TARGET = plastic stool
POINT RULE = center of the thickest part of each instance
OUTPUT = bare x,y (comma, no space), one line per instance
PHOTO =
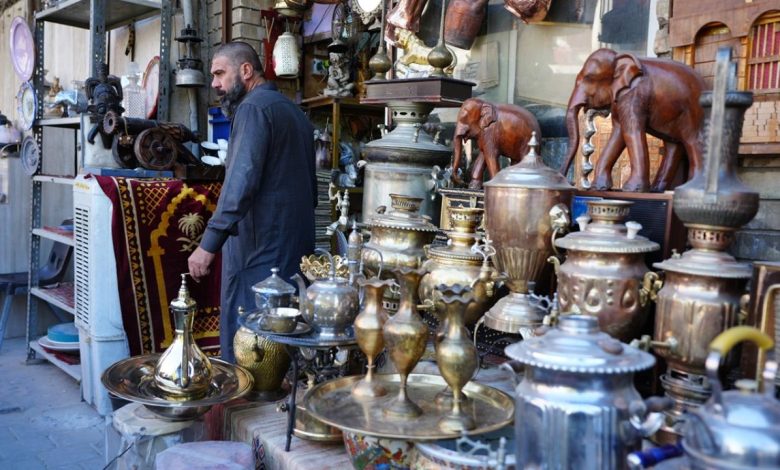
142,436
206,455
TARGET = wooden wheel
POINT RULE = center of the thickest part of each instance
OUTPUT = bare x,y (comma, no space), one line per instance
155,149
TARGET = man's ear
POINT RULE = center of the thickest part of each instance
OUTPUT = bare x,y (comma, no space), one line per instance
246,71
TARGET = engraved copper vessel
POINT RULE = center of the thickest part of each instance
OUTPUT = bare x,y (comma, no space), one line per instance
703,287
183,371
604,269
265,360
458,263
463,21
521,203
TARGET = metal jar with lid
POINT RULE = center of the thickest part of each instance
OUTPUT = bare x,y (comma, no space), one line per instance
399,236
273,292
738,429
461,262
526,205
577,407
604,269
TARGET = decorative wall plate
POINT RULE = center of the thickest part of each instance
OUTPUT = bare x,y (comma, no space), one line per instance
26,105
151,86
22,48
30,155
369,10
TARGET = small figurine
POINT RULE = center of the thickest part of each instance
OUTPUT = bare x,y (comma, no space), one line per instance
338,76
414,62
52,108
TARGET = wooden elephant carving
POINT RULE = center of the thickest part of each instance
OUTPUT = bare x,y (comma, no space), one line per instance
655,96
499,129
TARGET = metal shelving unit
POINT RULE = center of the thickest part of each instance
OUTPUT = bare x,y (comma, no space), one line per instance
98,16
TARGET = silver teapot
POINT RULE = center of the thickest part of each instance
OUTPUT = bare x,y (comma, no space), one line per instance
576,407
273,292
329,305
738,429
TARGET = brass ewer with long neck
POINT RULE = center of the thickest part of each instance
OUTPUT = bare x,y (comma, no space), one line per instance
368,331
456,355
183,371
405,335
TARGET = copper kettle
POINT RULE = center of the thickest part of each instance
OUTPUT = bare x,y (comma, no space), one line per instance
738,429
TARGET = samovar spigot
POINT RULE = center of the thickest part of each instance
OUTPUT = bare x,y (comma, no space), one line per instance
645,343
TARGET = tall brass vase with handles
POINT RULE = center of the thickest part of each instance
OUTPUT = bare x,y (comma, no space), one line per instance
405,336
368,331
456,355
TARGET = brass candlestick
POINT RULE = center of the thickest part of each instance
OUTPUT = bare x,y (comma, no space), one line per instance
456,355
368,331
405,335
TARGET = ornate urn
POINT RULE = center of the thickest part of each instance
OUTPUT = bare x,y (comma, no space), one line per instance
400,236
183,371
525,206
703,288
604,269
460,262
265,360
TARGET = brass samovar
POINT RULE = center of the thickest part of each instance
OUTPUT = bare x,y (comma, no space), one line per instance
526,205
703,287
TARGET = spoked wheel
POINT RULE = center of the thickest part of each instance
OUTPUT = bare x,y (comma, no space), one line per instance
155,149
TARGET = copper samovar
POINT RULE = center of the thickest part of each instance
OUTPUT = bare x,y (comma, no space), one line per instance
605,268
526,205
703,287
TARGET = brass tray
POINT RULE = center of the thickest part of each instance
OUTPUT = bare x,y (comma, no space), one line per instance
133,379
332,403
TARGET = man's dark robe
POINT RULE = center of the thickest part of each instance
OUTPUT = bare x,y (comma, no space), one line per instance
265,214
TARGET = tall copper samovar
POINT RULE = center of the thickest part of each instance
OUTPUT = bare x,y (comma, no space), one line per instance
702,288
525,206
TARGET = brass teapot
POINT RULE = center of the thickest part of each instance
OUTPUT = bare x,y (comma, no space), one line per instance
183,371
329,305
737,429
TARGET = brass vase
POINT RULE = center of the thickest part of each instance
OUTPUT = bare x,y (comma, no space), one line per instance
604,269
456,355
368,331
405,336
183,371
265,360
526,205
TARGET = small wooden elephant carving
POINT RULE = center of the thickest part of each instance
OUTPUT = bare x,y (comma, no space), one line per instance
499,129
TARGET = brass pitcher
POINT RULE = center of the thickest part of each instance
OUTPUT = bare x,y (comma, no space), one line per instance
604,269
405,335
456,355
368,331
183,371
266,360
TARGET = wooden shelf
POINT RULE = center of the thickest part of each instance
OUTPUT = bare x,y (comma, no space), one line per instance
59,179
60,296
52,235
351,103
118,12
73,370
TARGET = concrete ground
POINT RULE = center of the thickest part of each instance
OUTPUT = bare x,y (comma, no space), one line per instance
43,422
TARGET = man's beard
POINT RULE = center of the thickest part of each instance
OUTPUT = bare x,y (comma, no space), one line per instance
230,99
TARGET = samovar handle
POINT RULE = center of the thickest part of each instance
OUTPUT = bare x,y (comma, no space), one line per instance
651,285
770,299
721,346
560,222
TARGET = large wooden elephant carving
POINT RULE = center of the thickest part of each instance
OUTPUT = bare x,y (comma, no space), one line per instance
499,129
655,96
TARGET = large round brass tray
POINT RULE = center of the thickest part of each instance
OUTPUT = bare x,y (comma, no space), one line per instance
332,403
133,379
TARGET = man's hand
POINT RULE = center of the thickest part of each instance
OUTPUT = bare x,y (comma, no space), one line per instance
199,263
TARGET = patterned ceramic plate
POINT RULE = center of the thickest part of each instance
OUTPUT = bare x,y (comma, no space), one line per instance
26,105
22,49
30,155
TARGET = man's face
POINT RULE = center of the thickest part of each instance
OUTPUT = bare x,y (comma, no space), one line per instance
227,83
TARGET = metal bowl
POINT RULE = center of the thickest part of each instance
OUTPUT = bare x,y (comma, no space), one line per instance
132,379
318,267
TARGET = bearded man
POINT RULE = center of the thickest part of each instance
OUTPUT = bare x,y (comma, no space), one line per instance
265,214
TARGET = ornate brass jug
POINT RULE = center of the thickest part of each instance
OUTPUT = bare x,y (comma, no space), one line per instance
604,269
183,371
368,330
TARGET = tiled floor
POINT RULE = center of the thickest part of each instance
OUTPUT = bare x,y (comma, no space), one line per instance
43,422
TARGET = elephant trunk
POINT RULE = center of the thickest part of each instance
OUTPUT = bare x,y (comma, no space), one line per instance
458,140
576,102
